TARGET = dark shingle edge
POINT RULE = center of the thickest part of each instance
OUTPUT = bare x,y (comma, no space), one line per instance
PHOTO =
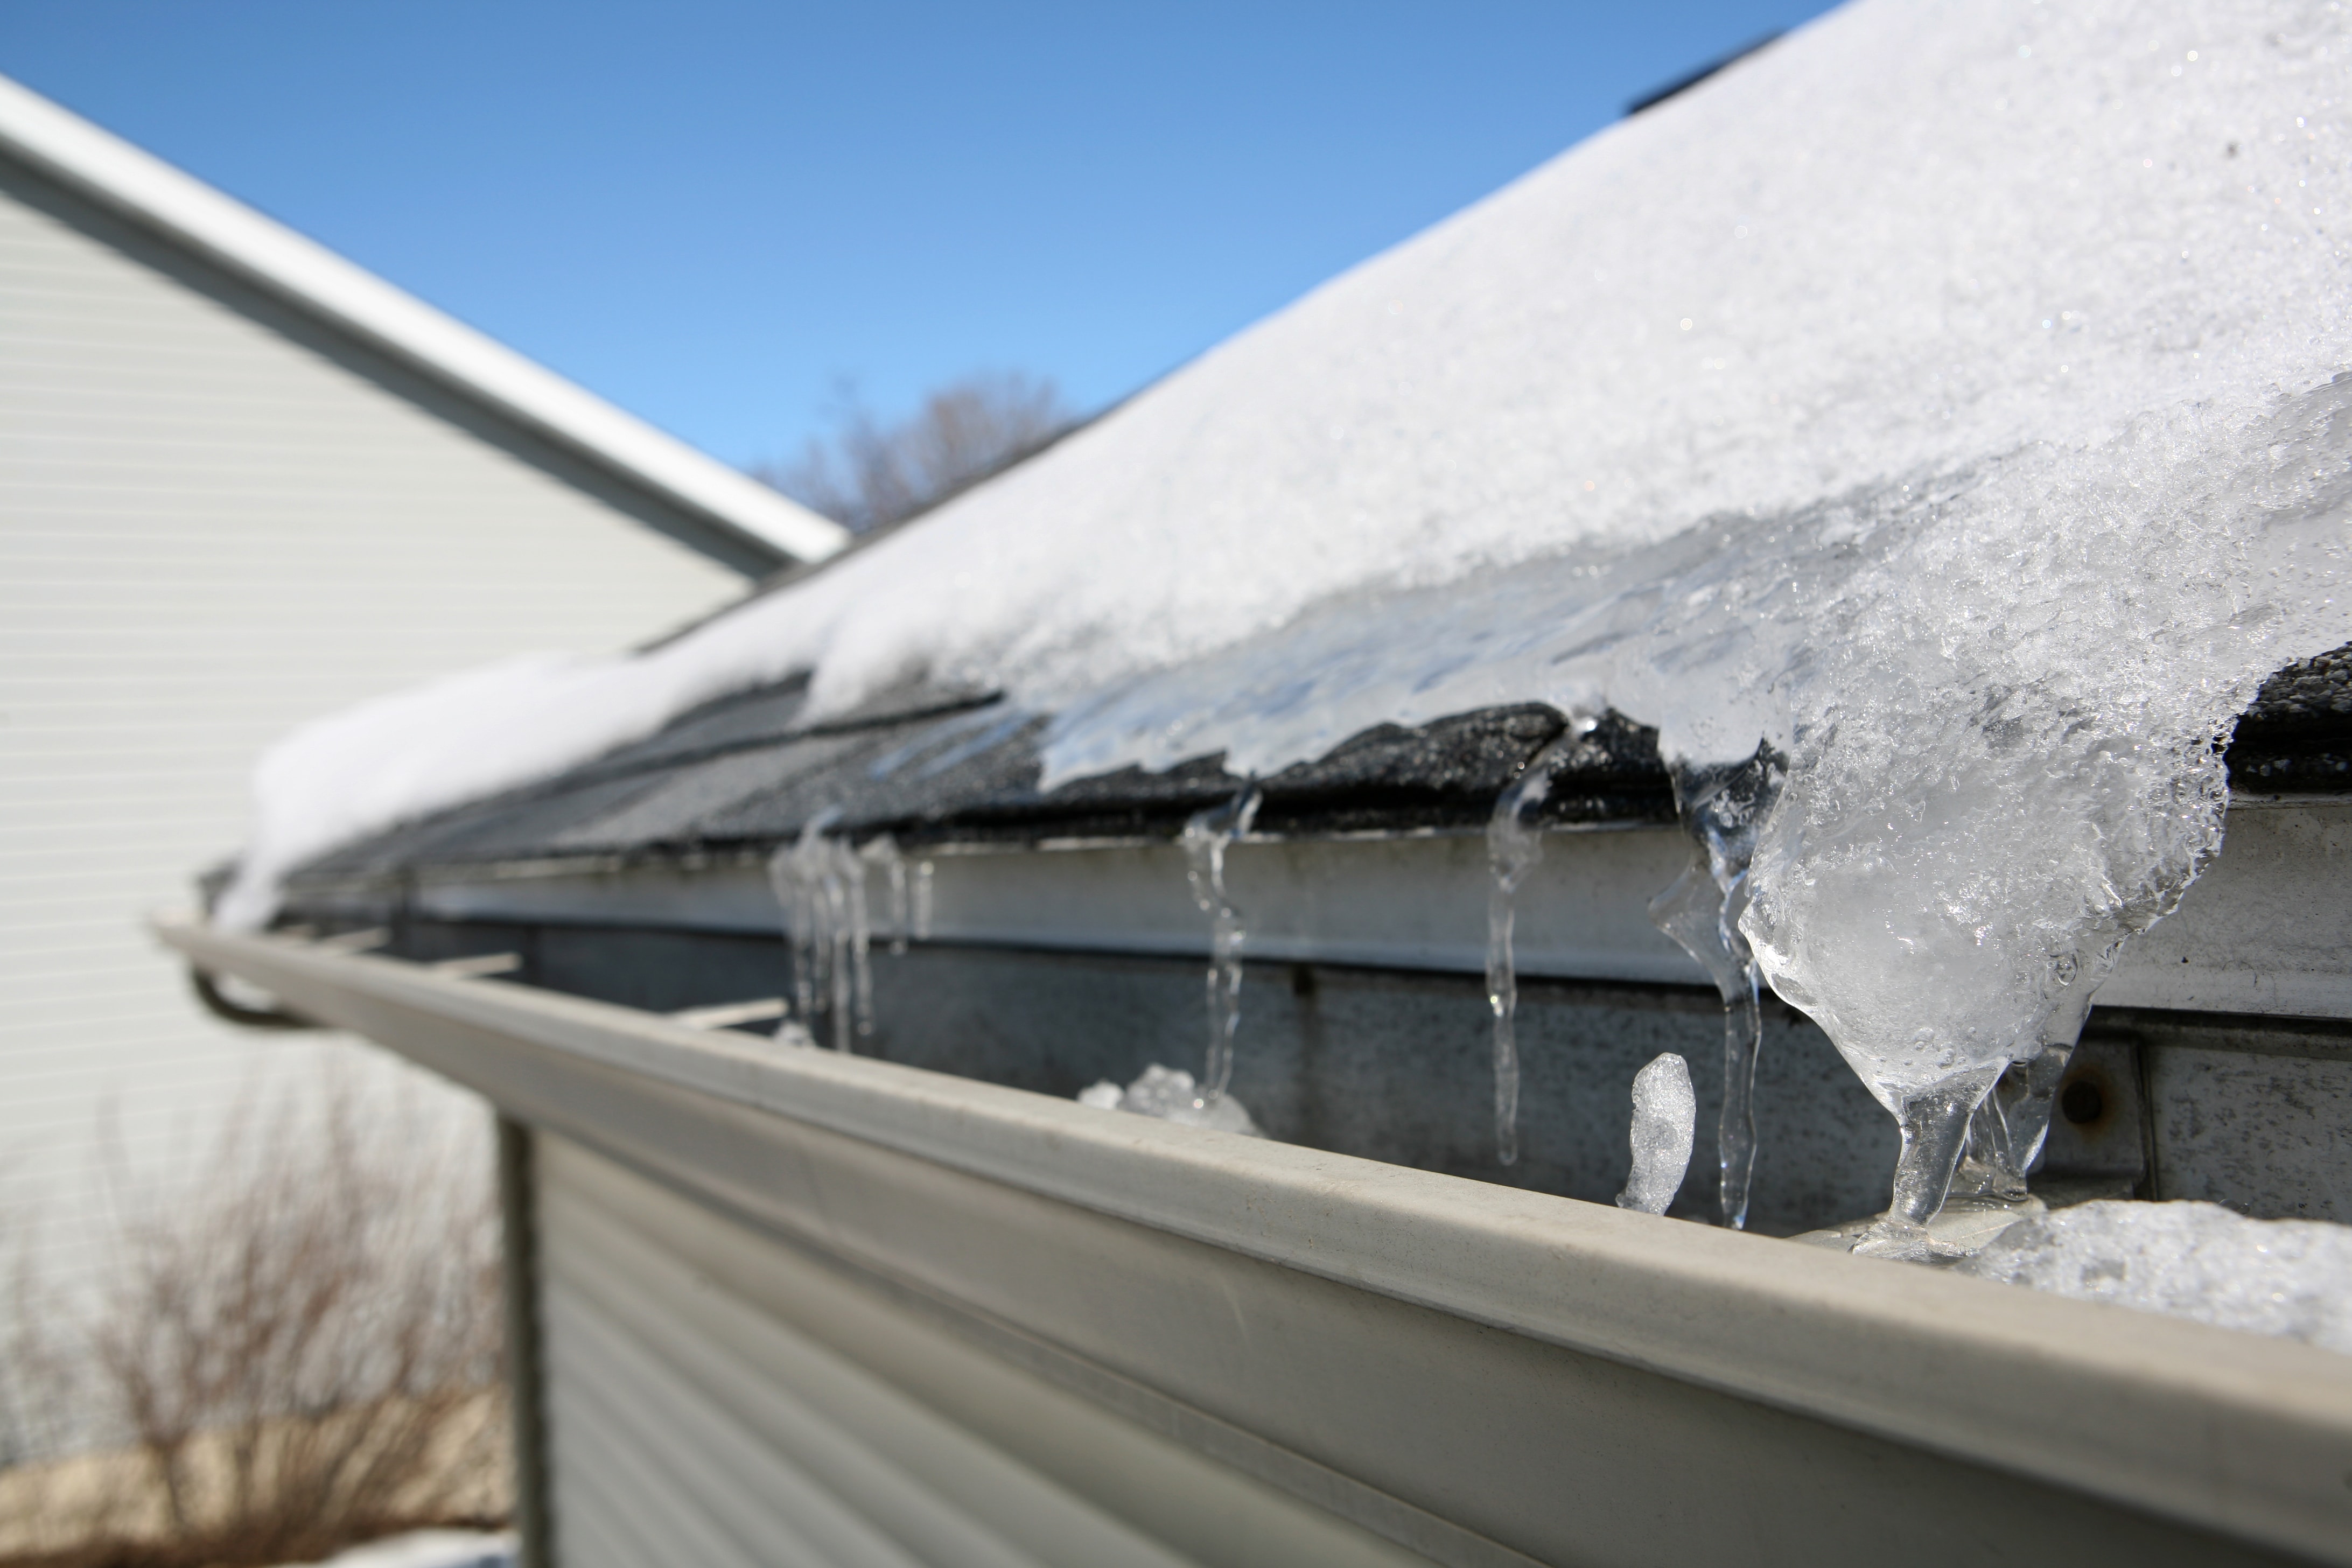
744,774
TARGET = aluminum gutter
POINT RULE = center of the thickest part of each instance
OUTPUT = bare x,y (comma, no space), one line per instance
2246,1436
184,210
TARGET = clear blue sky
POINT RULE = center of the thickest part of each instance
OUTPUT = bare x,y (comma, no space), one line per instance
710,213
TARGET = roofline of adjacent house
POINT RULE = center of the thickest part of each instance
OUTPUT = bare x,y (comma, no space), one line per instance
97,164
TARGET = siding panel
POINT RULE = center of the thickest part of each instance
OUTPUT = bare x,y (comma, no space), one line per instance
211,532
667,1384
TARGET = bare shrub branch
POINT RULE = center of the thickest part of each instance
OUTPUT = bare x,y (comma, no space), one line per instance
305,1355
870,474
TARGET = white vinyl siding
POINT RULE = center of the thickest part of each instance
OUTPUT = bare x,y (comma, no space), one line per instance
210,533
717,1398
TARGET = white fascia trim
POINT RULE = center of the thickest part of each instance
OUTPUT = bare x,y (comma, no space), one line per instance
2251,1436
68,148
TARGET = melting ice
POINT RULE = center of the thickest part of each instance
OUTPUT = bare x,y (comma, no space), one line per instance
1721,808
1665,1117
1514,847
2001,692
820,881
882,850
2011,1123
1206,837
2291,1278
1171,1094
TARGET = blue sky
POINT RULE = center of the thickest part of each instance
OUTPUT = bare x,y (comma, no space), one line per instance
713,213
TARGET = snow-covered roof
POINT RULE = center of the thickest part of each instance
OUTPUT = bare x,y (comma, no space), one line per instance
1947,396
353,302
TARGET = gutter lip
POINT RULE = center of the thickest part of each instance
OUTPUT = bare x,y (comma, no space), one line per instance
2249,1436
131,183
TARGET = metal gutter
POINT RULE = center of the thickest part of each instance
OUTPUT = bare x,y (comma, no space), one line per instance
2247,1437
192,214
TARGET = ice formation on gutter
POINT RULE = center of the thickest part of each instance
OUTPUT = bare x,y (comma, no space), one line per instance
1943,397
1206,837
882,853
2291,1279
820,882
1722,806
1514,848
2012,1122
919,916
1171,1095
1666,1118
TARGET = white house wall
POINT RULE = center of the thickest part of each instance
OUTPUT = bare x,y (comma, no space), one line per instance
211,531
715,1398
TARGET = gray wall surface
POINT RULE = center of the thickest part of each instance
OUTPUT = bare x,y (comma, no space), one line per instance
211,530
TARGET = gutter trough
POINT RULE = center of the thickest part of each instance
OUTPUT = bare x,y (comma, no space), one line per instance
1476,1373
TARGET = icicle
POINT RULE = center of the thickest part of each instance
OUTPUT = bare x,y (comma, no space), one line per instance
1935,1124
1514,846
1206,837
2028,1115
1665,1117
883,850
861,943
797,874
1979,1133
799,924
1721,807
821,882
1989,1168
835,886
2011,1124
922,916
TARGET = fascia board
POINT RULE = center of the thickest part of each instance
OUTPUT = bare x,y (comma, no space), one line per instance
97,164
2261,931
2247,1435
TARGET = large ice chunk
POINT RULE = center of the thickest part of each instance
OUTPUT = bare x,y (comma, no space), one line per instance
2291,1279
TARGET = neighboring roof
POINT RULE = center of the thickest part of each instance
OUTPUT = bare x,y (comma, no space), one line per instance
193,216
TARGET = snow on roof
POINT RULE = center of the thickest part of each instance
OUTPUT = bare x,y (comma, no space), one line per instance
1943,396
353,301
